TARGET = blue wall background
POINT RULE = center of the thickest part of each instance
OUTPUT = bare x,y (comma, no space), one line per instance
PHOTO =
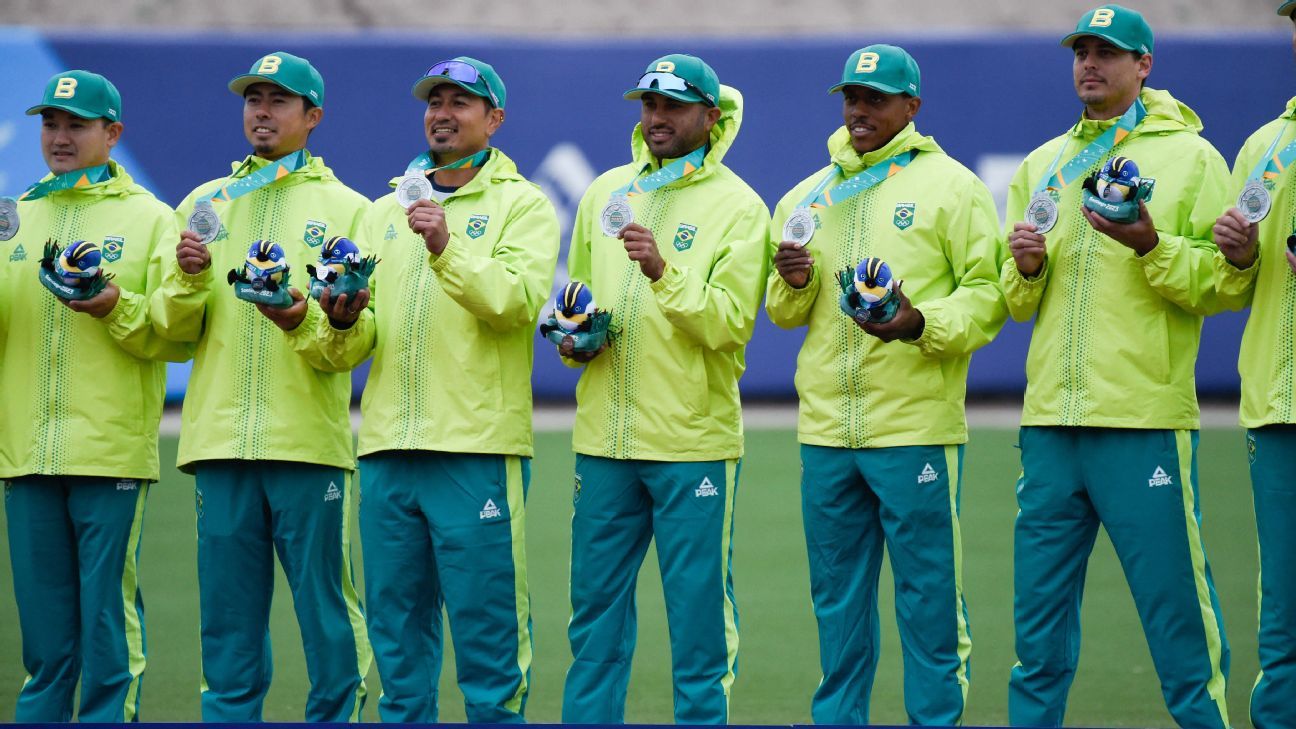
988,100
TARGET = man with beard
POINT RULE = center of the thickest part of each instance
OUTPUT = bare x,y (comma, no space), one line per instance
658,433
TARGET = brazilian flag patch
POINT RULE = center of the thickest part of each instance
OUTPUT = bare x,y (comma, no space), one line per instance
112,248
314,235
684,236
904,215
477,225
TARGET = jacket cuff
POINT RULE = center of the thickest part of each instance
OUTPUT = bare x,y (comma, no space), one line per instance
785,290
934,333
1013,275
114,317
1229,276
449,255
1161,257
1223,263
309,325
671,280
191,282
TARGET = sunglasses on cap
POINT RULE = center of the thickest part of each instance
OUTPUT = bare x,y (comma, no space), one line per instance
455,71
662,81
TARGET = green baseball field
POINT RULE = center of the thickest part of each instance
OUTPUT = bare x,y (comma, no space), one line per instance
778,661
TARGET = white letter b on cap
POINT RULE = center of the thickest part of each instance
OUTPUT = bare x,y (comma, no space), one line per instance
65,88
1102,18
270,65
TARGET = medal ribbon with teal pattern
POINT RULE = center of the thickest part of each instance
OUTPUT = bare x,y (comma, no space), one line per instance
269,174
1271,166
819,197
83,177
1075,168
677,170
424,163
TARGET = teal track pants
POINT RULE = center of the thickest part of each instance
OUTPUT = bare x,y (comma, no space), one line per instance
906,499
1141,486
447,529
1272,452
249,511
619,507
74,546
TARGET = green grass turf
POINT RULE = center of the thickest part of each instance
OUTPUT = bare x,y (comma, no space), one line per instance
1116,685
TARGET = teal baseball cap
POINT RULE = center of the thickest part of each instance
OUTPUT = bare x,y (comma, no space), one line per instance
82,93
681,77
1120,26
1286,8
889,69
291,73
471,75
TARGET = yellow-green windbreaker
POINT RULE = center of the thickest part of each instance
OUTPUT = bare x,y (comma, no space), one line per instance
935,225
1267,361
83,396
667,389
1116,335
453,335
257,393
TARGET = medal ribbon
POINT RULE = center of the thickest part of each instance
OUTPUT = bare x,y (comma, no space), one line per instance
1271,166
423,163
84,177
677,170
1057,179
267,175
878,173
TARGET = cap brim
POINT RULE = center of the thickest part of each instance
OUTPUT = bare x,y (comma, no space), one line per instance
686,96
875,86
1286,8
1071,39
74,110
239,84
423,89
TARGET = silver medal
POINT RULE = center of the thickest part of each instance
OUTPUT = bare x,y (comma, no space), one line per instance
799,227
8,218
204,221
616,215
1042,212
1254,202
413,187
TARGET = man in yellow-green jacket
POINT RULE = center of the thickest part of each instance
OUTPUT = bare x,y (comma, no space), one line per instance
265,428
1256,267
881,424
1109,430
658,433
83,396
446,446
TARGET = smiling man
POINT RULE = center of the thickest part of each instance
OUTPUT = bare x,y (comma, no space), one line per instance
83,397
881,424
265,428
658,433
446,445
1109,429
